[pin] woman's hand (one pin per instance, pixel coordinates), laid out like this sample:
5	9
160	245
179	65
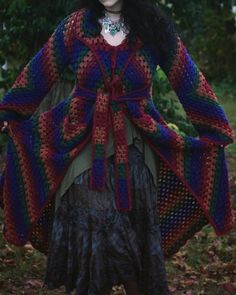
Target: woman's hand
5	123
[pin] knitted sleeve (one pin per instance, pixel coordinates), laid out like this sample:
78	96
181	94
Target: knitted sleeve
195	94
38	76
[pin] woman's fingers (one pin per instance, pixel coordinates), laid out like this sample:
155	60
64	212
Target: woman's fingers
5	123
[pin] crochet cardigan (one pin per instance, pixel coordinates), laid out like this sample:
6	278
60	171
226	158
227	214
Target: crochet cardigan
112	82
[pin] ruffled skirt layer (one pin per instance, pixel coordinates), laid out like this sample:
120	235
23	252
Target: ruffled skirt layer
94	245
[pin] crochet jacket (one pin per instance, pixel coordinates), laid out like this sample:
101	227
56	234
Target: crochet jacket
112	82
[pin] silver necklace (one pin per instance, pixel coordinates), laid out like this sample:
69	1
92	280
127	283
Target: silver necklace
112	27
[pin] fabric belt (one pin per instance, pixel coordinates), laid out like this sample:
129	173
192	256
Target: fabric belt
108	113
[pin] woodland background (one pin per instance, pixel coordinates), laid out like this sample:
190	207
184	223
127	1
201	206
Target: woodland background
206	264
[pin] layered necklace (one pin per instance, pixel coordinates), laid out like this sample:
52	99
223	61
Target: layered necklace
113	26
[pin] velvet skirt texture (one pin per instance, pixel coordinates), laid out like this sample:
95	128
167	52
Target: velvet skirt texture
94	245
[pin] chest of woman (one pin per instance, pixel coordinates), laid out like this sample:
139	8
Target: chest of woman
96	63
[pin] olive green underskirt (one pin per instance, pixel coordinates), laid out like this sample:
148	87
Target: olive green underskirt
83	161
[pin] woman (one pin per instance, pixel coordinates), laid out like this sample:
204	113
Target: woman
113	257
113	218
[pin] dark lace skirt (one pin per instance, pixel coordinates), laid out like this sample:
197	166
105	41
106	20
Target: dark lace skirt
94	245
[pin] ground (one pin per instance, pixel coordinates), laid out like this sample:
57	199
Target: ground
205	265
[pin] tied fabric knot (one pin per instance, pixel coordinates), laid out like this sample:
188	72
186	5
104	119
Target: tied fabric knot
116	87
113	86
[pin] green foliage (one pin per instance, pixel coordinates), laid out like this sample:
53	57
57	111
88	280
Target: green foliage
25	27
209	31
169	105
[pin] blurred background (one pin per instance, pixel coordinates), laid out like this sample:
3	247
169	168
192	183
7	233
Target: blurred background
207	264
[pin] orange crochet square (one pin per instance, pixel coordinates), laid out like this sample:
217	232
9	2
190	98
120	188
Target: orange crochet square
118	121
99	134
102	103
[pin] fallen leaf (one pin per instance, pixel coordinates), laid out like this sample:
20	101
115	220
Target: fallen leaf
229	287
9	261
189	282
172	289
34	283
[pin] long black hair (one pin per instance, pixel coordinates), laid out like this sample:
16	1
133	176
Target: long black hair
145	20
